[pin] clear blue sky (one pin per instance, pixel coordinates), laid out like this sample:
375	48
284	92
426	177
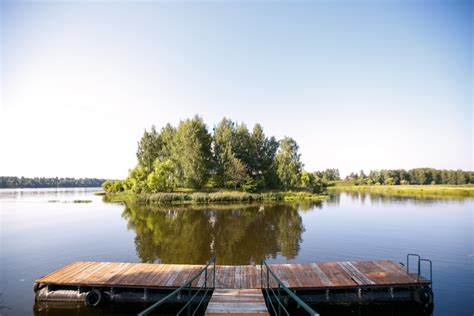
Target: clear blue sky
358	84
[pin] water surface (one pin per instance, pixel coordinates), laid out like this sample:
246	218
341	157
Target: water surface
42	230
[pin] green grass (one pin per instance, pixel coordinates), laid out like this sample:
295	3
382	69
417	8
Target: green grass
211	197
459	191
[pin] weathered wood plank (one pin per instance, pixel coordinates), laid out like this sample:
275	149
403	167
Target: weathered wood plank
359	277
323	280
237	302
337	276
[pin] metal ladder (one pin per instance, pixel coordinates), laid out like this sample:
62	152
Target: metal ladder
418	264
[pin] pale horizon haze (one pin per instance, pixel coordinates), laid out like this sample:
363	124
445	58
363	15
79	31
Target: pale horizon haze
358	84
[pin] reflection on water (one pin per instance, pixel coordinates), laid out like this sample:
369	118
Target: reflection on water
238	234
373	198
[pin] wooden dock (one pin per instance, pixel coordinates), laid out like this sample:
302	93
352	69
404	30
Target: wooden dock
296	276
236	287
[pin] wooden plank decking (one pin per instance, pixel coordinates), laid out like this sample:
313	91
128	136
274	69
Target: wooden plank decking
296	276
235	302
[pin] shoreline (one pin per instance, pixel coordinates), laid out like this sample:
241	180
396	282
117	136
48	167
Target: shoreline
171	198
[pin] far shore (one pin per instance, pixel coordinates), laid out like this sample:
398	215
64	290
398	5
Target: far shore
459	191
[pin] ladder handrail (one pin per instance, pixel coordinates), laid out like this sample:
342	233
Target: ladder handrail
281	286
408	262
418	272
188	285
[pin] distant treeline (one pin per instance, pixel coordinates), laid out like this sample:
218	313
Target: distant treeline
16	182
230	156
419	176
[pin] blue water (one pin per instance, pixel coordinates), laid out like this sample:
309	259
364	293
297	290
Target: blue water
39	236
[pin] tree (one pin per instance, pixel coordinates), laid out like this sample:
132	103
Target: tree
167	140
288	164
163	178
362	179
112	186
249	185
242	146
306	179
107	186
148	149
235	173
318	185
223	149
136	180
420	176
262	163
461	177
330	175
192	153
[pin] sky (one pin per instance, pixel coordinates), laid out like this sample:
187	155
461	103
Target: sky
358	84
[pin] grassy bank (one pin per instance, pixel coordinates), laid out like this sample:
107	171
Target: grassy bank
212	197
410	190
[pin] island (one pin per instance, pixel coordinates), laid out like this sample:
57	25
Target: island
190	164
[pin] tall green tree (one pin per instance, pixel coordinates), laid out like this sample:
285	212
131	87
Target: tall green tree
167	142
223	150
288	164
242	146
192	153
149	148
262	152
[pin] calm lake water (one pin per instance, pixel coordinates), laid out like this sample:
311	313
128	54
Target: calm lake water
42	230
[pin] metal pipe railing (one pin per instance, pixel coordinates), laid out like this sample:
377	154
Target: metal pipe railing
188	286
267	288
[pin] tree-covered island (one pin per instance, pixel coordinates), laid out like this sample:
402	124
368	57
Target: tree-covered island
230	163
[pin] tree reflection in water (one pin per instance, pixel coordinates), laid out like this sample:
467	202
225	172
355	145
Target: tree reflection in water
238	234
